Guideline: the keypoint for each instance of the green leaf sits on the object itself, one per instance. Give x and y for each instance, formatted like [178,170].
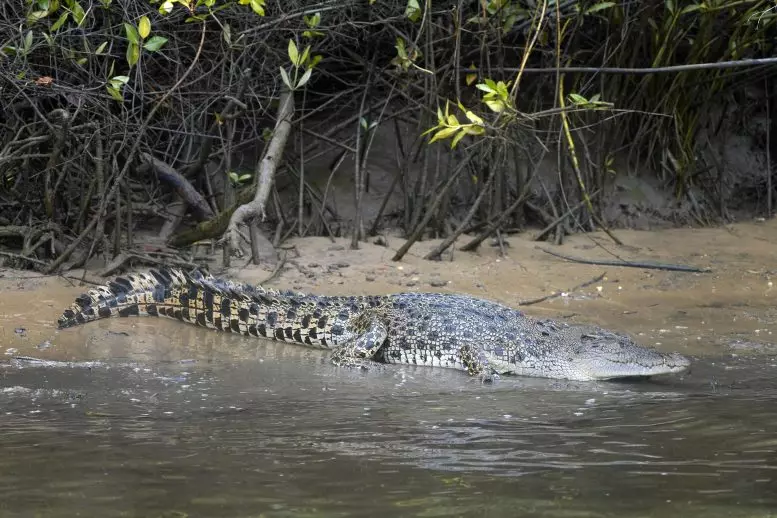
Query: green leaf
[166,7]
[285,78]
[257,6]
[78,13]
[233,176]
[692,8]
[578,99]
[244,177]
[121,79]
[60,22]
[155,43]
[115,93]
[315,60]
[101,48]
[305,78]
[144,27]
[413,10]
[599,7]
[27,41]
[133,54]
[485,88]
[81,61]
[473,118]
[443,133]
[495,105]
[132,33]
[293,53]
[457,138]
[36,16]
[305,55]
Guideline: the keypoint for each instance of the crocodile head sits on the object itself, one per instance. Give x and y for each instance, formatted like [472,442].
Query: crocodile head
[607,356]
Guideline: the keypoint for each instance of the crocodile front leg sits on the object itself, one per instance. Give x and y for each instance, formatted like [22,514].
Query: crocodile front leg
[360,351]
[476,363]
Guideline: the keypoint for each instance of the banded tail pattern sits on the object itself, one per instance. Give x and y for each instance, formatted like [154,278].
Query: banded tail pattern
[224,305]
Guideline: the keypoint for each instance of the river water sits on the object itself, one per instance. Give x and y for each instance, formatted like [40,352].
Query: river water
[160,419]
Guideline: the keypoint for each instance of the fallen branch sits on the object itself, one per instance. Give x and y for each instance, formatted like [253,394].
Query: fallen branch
[647,265]
[183,188]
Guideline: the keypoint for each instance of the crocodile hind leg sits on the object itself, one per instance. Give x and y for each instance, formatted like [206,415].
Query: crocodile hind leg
[476,363]
[359,352]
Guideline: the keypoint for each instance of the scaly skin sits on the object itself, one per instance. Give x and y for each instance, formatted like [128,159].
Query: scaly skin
[443,330]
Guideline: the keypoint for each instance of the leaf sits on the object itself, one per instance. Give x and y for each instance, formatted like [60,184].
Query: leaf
[155,43]
[495,104]
[36,16]
[166,7]
[305,78]
[452,120]
[471,78]
[457,138]
[244,177]
[599,7]
[413,10]
[692,8]
[227,34]
[121,79]
[133,54]
[305,55]
[439,115]
[285,78]
[485,88]
[578,99]
[475,130]
[60,22]
[115,93]
[293,53]
[78,13]
[144,27]
[257,6]
[443,133]
[233,176]
[81,61]
[132,33]
[315,60]
[473,118]
[27,41]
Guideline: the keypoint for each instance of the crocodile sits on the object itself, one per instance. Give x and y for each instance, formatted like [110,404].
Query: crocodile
[481,337]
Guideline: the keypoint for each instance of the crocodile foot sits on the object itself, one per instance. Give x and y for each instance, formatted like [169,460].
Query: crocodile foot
[347,356]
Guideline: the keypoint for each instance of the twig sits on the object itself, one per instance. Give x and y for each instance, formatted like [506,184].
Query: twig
[556,294]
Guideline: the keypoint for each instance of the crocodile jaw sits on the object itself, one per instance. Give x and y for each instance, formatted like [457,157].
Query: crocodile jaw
[641,362]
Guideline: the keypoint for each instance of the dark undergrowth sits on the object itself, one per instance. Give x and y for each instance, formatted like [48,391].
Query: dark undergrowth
[122,117]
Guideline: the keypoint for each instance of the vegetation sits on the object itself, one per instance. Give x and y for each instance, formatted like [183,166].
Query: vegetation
[120,116]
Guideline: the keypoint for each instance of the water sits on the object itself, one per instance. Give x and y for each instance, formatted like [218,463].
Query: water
[175,421]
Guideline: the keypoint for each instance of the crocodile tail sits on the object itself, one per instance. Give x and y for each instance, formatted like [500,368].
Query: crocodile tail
[195,297]
[130,295]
